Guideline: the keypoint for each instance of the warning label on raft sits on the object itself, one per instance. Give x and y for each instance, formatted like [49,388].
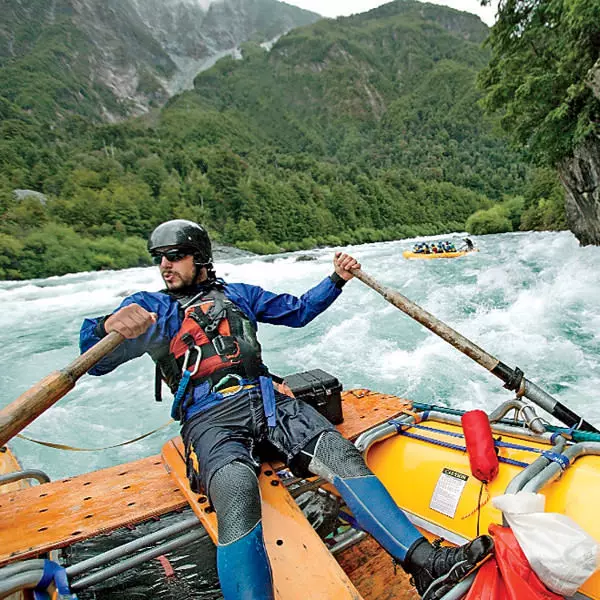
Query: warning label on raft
[448,491]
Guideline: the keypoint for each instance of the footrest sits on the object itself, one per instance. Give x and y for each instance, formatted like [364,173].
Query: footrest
[302,565]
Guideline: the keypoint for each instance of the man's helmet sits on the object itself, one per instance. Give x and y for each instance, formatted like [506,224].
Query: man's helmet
[183,234]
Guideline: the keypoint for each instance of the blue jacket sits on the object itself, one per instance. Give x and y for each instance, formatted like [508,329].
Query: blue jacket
[258,304]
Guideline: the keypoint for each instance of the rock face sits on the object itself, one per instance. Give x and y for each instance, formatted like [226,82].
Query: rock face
[580,176]
[122,57]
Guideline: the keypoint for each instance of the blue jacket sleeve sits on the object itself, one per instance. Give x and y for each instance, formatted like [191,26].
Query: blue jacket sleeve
[133,348]
[285,309]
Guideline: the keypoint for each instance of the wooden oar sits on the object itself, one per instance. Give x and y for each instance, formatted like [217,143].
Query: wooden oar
[513,379]
[30,405]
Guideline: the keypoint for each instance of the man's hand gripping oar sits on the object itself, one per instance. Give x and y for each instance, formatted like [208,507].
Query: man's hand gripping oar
[513,379]
[129,322]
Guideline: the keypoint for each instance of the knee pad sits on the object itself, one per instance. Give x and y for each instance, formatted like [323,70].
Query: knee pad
[332,455]
[235,497]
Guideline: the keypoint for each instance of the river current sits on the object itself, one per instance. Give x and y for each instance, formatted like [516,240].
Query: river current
[530,299]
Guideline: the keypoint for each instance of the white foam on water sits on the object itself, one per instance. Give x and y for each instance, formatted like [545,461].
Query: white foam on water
[530,299]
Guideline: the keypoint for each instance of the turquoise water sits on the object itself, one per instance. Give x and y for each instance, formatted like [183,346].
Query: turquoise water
[530,299]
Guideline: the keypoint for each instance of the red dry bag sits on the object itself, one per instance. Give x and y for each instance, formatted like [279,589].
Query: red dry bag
[480,445]
[508,576]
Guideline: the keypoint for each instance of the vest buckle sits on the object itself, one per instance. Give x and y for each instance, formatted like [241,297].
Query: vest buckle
[225,345]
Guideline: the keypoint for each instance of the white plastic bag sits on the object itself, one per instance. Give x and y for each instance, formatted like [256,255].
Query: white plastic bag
[560,552]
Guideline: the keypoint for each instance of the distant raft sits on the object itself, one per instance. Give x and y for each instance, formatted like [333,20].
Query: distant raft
[428,255]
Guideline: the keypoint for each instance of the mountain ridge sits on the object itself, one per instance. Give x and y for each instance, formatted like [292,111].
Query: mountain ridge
[117,58]
[349,130]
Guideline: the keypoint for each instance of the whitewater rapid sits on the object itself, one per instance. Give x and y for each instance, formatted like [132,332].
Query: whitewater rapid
[530,299]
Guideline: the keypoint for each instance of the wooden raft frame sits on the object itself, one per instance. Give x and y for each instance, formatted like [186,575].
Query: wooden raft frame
[57,514]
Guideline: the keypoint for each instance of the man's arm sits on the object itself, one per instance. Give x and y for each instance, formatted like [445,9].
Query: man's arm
[132,320]
[285,309]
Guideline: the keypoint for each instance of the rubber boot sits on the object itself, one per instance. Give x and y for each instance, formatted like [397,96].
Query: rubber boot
[378,514]
[244,569]
[437,569]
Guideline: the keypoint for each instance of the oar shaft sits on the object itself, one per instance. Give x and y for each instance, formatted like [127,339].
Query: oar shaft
[31,404]
[511,378]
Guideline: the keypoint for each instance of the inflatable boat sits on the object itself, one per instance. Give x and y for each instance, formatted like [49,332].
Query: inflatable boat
[431,255]
[420,453]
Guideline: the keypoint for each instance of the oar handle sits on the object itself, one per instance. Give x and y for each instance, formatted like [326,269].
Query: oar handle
[31,404]
[513,379]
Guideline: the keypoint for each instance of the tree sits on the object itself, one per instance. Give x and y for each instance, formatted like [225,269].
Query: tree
[494,220]
[543,51]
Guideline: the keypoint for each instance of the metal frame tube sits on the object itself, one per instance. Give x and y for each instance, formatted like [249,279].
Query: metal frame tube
[120,551]
[553,471]
[36,474]
[537,466]
[22,565]
[20,581]
[138,559]
[386,430]
[461,588]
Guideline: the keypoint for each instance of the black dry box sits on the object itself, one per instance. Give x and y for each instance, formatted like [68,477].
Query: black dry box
[319,389]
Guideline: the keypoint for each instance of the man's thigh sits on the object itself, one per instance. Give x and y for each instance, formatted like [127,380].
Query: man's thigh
[297,424]
[216,438]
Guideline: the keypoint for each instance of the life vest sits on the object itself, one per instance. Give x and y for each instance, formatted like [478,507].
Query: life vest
[216,339]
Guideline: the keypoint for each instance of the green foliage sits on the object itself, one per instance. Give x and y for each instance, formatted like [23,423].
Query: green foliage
[259,247]
[544,202]
[493,220]
[357,130]
[543,51]
[58,249]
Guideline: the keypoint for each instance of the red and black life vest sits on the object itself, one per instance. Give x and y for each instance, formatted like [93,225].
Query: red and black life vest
[225,337]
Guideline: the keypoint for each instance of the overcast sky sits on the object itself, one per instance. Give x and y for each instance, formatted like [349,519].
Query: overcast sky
[337,8]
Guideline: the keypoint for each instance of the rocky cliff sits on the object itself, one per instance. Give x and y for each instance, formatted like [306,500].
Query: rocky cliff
[580,175]
[111,59]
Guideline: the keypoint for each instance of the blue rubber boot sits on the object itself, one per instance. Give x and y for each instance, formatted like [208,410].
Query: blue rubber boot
[435,569]
[244,569]
[378,514]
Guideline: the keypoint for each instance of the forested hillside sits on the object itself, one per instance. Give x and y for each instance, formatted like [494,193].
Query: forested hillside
[111,59]
[351,130]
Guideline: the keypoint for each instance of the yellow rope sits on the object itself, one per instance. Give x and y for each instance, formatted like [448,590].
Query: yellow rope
[480,504]
[75,449]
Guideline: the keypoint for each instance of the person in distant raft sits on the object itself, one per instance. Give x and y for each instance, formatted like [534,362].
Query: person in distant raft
[201,333]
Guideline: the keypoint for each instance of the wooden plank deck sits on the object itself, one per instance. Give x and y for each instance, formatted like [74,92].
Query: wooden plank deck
[57,514]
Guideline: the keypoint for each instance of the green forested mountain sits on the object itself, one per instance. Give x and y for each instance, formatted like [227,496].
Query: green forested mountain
[108,59]
[350,130]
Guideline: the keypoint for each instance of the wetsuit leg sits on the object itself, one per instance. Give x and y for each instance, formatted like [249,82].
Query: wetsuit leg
[435,569]
[242,562]
[338,461]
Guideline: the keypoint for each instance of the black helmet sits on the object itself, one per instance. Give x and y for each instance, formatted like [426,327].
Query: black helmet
[184,234]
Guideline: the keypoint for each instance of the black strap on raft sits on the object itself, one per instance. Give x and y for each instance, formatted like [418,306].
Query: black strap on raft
[514,382]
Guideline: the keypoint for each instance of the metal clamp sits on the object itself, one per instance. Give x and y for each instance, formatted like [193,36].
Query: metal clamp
[187,358]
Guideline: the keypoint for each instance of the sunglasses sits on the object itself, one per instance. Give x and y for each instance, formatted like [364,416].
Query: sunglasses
[173,255]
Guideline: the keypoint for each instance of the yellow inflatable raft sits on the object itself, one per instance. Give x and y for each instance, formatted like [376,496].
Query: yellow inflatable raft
[431,255]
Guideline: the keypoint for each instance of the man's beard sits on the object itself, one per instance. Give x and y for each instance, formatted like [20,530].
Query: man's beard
[176,282]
